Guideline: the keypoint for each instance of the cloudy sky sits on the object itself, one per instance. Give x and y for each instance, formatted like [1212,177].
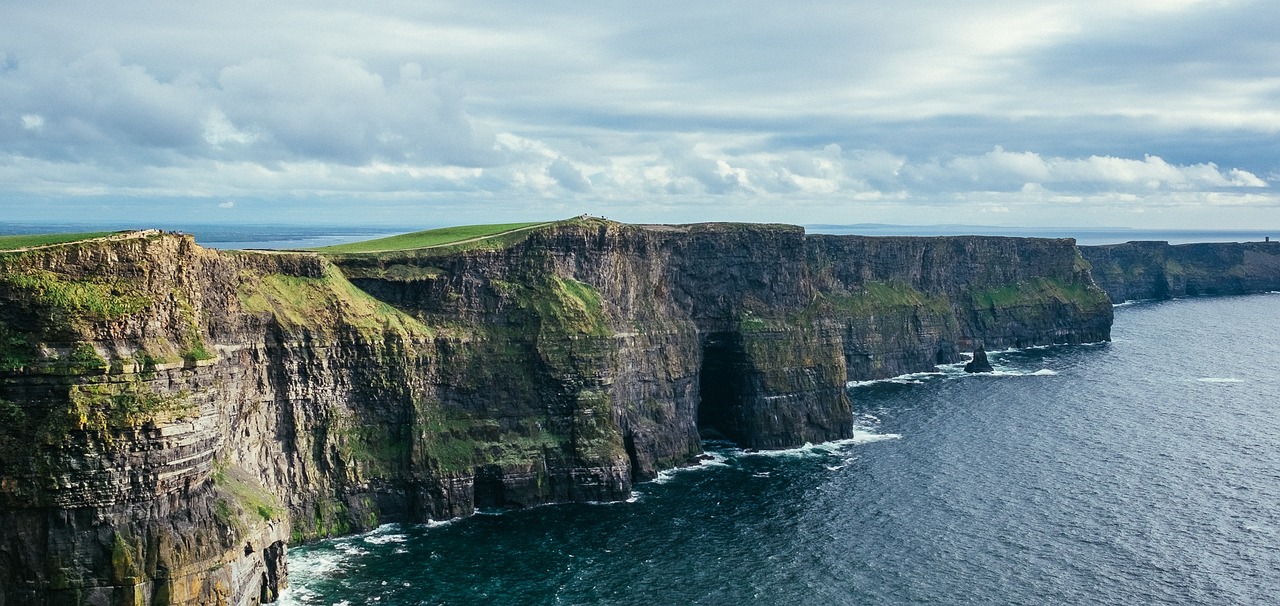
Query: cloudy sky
[1140,113]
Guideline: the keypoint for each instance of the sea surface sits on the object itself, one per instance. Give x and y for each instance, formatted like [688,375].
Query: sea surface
[1141,471]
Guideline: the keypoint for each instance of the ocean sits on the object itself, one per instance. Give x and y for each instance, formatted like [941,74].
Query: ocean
[1141,471]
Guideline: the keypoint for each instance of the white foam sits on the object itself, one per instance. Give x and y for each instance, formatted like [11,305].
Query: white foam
[349,549]
[860,436]
[384,539]
[1219,380]
[439,523]
[1002,372]
[907,379]
[318,564]
[705,460]
[1124,303]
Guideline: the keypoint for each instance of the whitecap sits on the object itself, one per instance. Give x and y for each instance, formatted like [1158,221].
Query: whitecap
[349,549]
[318,563]
[1219,380]
[440,523]
[705,460]
[860,436]
[384,539]
[913,378]
[1003,372]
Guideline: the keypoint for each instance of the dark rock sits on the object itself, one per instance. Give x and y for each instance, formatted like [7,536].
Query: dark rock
[1157,270]
[979,362]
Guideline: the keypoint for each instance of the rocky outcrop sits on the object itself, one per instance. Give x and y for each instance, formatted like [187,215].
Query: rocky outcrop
[979,363]
[1157,270]
[172,418]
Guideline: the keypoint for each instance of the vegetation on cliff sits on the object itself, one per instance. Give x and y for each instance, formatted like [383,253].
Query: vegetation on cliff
[33,240]
[431,238]
[229,395]
[322,304]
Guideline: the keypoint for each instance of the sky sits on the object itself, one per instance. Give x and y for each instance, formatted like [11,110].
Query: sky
[1120,113]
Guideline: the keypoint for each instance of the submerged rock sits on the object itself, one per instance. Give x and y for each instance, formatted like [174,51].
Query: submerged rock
[979,362]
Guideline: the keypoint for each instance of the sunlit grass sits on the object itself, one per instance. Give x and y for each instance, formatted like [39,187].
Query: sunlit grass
[426,239]
[29,240]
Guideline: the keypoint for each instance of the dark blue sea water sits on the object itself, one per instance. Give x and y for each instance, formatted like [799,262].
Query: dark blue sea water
[1143,471]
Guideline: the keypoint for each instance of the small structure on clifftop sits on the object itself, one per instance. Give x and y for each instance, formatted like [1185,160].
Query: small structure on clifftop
[979,362]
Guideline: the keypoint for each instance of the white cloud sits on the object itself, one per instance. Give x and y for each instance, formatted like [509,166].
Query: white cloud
[724,111]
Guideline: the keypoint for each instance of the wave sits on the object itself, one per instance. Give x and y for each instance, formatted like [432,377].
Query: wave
[823,449]
[953,371]
[907,379]
[1004,372]
[706,460]
[1219,380]
[378,538]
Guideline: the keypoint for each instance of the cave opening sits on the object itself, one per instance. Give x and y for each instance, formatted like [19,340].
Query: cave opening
[721,387]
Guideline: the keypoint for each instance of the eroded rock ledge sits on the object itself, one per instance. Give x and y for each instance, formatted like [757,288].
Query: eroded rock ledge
[171,417]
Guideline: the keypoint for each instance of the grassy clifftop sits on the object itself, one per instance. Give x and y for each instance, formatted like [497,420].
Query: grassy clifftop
[33,240]
[443,237]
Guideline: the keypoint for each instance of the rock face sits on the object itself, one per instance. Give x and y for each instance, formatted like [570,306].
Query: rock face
[979,363]
[171,418]
[1157,270]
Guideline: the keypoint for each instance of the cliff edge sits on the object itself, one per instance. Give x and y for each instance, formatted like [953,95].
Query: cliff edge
[172,417]
[1157,270]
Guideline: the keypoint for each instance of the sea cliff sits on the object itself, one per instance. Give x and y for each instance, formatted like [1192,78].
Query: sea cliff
[172,417]
[1158,270]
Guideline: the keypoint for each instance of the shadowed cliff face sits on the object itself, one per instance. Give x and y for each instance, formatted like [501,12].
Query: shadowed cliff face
[1157,270]
[172,417]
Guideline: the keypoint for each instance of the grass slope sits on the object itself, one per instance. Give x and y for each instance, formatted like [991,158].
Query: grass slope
[430,238]
[29,240]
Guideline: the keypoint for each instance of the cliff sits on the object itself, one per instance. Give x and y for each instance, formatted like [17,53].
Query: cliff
[171,417]
[1158,270]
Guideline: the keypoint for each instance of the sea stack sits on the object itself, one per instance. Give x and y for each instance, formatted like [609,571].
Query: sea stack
[979,362]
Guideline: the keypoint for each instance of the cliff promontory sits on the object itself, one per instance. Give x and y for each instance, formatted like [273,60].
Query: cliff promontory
[1158,270]
[172,417]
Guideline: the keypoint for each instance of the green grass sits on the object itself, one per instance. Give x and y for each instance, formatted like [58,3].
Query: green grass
[430,238]
[1039,291]
[79,299]
[245,499]
[29,240]
[319,302]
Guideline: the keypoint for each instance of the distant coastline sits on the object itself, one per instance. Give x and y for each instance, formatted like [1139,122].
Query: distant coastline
[286,236]
[1085,236]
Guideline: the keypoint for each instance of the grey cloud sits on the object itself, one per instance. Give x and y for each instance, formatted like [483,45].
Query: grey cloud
[337,109]
[704,106]
[97,107]
[96,102]
[568,176]
[1214,41]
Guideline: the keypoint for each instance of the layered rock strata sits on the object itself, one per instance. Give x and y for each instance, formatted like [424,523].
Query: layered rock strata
[1157,270]
[171,417]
